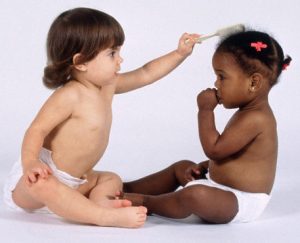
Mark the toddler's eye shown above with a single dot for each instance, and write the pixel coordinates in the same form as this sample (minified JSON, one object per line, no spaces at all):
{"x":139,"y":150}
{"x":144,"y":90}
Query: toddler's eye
{"x":221,"y":77}
{"x":112,"y":53}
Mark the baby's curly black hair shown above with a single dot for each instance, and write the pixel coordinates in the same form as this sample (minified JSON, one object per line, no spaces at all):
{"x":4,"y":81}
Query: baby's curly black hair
{"x":256,"y":51}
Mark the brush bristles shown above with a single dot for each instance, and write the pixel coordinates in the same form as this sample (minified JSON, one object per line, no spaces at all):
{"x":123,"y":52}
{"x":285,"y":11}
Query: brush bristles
{"x":231,"y":30}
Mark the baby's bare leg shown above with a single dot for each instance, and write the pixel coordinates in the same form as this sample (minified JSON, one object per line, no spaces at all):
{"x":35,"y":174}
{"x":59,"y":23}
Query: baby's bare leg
{"x":105,"y":188}
{"x":210,"y":204}
{"x":71,"y":204}
{"x":164,"y":181}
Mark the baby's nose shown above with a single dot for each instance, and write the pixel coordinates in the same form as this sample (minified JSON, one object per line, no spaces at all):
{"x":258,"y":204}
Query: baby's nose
{"x":217,"y":83}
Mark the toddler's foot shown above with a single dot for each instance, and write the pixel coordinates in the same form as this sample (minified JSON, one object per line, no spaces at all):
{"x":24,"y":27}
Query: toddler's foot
{"x":135,"y":198}
{"x":128,"y":217}
{"x":115,"y":203}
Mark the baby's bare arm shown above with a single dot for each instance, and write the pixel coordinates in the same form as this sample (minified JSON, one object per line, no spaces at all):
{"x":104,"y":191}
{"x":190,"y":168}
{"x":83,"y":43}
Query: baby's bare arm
{"x":56,"y":109}
{"x":242,"y":128}
{"x":157,"y":68}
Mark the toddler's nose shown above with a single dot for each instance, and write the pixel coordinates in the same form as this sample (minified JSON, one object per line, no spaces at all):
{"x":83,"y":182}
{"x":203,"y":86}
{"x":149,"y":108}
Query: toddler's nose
{"x":216,"y":84}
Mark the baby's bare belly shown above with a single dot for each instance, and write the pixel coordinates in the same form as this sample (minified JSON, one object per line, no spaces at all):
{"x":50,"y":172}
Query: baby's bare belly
{"x":79,"y":158}
{"x":244,"y":178}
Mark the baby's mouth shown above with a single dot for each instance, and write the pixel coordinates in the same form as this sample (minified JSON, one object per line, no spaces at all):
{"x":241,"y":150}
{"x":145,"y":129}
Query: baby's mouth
{"x":218,"y":97}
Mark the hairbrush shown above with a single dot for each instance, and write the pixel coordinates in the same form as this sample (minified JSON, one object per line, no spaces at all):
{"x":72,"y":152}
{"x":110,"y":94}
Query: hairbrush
{"x":223,"y":32}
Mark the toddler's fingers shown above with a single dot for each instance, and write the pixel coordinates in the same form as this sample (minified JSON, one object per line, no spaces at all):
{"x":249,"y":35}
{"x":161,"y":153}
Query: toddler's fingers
{"x":44,"y":172}
{"x":31,"y":178}
{"x":189,"y":178}
{"x":186,"y":38}
{"x":191,"y":38}
{"x":196,"y":171}
{"x":41,"y":172}
{"x":47,"y":172}
{"x":27,"y":181}
{"x":195,"y":36}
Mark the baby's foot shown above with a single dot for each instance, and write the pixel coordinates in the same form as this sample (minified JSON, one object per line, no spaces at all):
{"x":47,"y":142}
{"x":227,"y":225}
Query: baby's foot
{"x":120,"y":203}
{"x":135,"y":198}
{"x":128,"y":217}
{"x":115,"y":203}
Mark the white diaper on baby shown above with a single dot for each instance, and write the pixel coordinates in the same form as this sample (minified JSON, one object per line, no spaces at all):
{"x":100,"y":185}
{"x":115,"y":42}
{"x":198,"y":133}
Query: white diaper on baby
{"x":251,"y":205}
{"x":17,"y":172}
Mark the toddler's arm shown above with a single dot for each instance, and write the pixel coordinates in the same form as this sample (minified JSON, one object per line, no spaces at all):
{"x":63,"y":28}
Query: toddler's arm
{"x":207,"y":101}
{"x":241,"y":130}
{"x":157,"y":68}
{"x":57,"y":108}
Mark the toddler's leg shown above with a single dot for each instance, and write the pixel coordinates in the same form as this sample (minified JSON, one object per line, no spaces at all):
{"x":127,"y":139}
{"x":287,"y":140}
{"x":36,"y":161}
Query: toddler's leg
{"x":104,"y":189}
{"x":164,"y":181}
{"x":71,"y":204}
{"x":210,"y":204}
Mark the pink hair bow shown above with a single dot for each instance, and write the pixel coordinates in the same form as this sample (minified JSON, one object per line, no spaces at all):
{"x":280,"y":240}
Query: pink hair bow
{"x":258,"y":45}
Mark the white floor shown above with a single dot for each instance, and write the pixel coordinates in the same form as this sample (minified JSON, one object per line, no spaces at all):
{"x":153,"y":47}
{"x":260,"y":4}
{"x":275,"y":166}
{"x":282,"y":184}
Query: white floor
{"x":279,"y":223}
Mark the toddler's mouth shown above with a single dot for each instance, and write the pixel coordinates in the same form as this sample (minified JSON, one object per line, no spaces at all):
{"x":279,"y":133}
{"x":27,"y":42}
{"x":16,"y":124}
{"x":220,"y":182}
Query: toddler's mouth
{"x":218,"y":97}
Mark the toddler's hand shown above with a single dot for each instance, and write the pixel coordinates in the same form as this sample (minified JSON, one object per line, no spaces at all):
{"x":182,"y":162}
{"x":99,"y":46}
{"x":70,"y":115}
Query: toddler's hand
{"x":207,"y":99}
{"x":38,"y":170}
{"x":196,"y":172}
{"x":192,"y":173}
{"x":186,"y":44}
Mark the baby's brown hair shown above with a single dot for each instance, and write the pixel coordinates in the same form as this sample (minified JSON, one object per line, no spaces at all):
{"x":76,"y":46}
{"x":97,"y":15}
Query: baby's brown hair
{"x":81,"y":30}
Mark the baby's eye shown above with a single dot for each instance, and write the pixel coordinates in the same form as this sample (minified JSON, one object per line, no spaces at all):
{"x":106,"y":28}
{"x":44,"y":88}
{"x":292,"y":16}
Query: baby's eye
{"x":113,"y":53}
{"x":221,"y":77}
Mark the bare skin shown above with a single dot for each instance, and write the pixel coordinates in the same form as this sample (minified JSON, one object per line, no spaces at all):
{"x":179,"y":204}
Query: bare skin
{"x":243,"y":156}
{"x":74,"y":124}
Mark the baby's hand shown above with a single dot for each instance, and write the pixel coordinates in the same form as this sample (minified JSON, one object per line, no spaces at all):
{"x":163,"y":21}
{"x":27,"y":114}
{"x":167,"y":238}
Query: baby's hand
{"x":207,"y":99}
{"x":192,"y":173}
{"x":196,"y":172}
{"x":38,"y":170}
{"x":186,"y":44}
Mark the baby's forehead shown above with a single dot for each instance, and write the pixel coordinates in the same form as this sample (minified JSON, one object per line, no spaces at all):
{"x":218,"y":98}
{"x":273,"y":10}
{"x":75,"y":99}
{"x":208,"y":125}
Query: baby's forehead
{"x":223,"y":59}
{"x":111,"y":48}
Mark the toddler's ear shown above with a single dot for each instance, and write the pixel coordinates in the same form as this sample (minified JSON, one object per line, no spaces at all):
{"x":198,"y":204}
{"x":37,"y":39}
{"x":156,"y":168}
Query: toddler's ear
{"x":77,"y":64}
{"x":255,"y":82}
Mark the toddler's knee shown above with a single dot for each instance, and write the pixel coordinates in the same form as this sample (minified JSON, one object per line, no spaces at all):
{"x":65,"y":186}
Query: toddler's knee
{"x":194,"y":194}
{"x":112,"y":176}
{"x":43,"y":187}
{"x":200,"y":200}
{"x":115,"y":176}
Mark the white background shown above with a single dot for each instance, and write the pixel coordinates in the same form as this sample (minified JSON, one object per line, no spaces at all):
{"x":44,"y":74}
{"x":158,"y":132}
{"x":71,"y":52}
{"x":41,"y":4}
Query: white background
{"x":156,"y":125}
